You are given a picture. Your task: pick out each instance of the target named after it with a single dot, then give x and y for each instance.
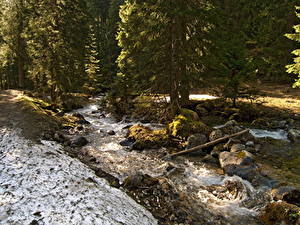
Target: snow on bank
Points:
(41, 185)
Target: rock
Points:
(210, 159)
(231, 127)
(237, 148)
(280, 213)
(250, 144)
(58, 137)
(78, 115)
(242, 158)
(79, 142)
(127, 142)
(216, 134)
(239, 163)
(201, 111)
(111, 132)
(294, 135)
(83, 121)
(146, 138)
(195, 140)
(187, 123)
(288, 194)
(217, 150)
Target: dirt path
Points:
(16, 113)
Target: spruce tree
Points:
(295, 67)
(162, 44)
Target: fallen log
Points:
(208, 144)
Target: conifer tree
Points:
(162, 43)
(295, 67)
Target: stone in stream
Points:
(79, 142)
(294, 135)
(239, 163)
(127, 142)
(111, 132)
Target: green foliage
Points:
(295, 67)
(162, 44)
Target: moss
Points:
(186, 124)
(241, 154)
(147, 138)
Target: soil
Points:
(16, 113)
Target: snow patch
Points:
(40, 184)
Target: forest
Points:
(129, 47)
(157, 112)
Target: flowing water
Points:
(230, 196)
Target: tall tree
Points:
(13, 46)
(162, 43)
(58, 32)
(295, 67)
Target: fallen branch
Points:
(199, 147)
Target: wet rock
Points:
(294, 135)
(83, 122)
(280, 213)
(111, 132)
(240, 164)
(79, 142)
(78, 115)
(237, 148)
(216, 134)
(250, 143)
(59, 137)
(139, 180)
(288, 194)
(127, 142)
(195, 140)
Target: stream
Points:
(205, 185)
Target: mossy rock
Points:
(146, 138)
(187, 123)
(277, 213)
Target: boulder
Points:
(79, 142)
(187, 123)
(242, 158)
(294, 135)
(146, 138)
(216, 134)
(239, 163)
(280, 213)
